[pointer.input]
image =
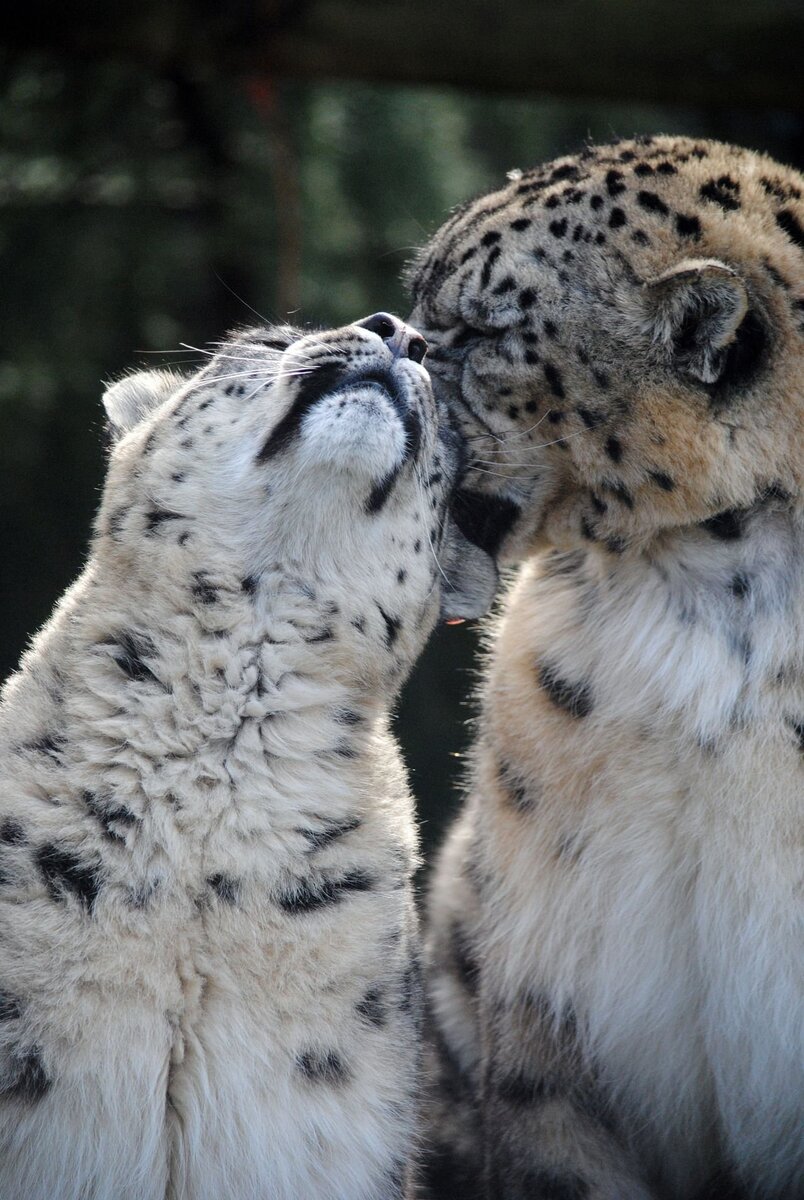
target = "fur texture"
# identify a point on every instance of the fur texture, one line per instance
(615, 935)
(208, 959)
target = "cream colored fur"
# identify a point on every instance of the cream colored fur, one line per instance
(207, 937)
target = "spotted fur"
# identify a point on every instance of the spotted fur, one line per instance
(206, 835)
(615, 936)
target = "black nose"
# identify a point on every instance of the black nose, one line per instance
(403, 341)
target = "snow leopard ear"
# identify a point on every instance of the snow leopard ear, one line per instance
(470, 577)
(695, 312)
(132, 398)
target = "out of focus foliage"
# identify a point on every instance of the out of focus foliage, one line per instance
(140, 212)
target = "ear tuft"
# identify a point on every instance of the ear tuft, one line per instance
(693, 311)
(471, 578)
(131, 399)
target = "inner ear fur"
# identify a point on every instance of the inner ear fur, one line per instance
(132, 398)
(693, 312)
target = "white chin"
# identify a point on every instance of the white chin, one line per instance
(358, 430)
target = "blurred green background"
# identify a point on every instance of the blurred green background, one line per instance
(145, 206)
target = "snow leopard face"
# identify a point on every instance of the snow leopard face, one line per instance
(324, 452)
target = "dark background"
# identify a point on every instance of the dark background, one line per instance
(168, 170)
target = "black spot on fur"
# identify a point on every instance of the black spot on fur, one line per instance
(615, 182)
(156, 517)
(109, 814)
(521, 223)
(323, 1067)
(662, 480)
(64, 872)
(617, 219)
(789, 223)
(310, 895)
(723, 192)
(490, 238)
(573, 698)
(483, 518)
(323, 635)
(10, 1007)
(465, 958)
(312, 387)
(202, 590)
(392, 626)
(12, 833)
(596, 201)
(129, 652)
(590, 418)
(652, 203)
(740, 585)
(601, 379)
(372, 1008)
(26, 1079)
(614, 449)
(485, 274)
(558, 227)
(225, 887)
(49, 744)
(250, 584)
(513, 786)
(621, 492)
(329, 832)
(553, 377)
(725, 526)
(522, 1091)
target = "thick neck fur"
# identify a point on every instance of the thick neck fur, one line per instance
(657, 879)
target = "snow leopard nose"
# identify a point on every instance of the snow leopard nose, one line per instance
(402, 340)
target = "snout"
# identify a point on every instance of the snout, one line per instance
(402, 340)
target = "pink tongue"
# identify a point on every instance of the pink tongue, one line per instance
(456, 621)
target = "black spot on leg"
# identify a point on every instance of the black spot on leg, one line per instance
(308, 895)
(372, 1008)
(64, 872)
(225, 887)
(26, 1079)
(572, 698)
(617, 219)
(323, 1066)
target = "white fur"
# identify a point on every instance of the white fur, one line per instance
(169, 1016)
